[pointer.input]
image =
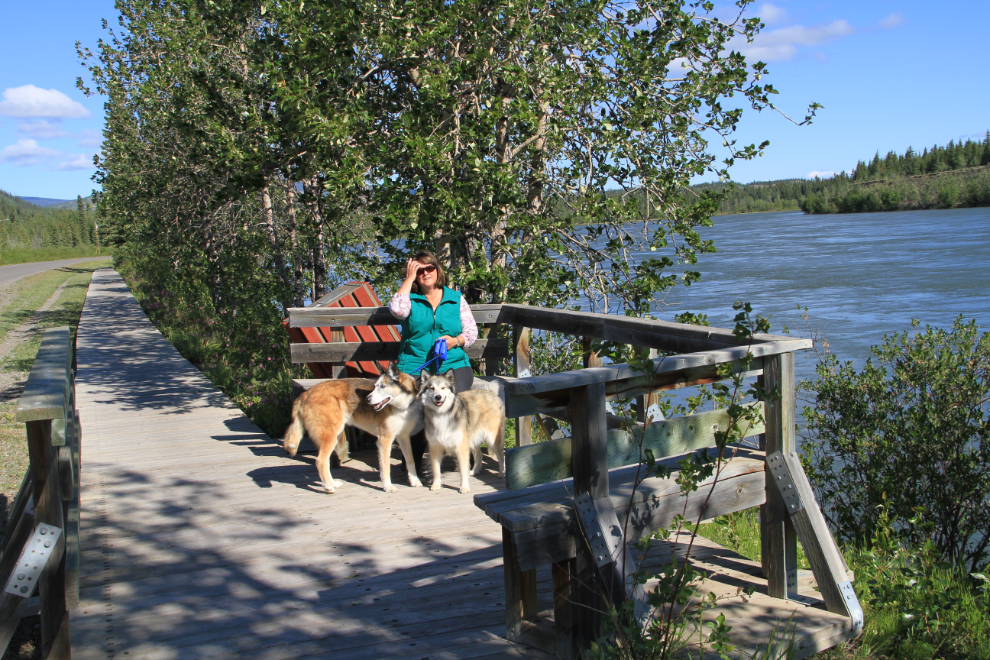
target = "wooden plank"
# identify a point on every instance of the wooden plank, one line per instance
(819, 546)
(44, 391)
(12, 608)
(309, 317)
(590, 468)
(520, 591)
(521, 370)
(551, 461)
(48, 509)
(519, 401)
(629, 330)
(15, 512)
(777, 535)
(383, 350)
(556, 542)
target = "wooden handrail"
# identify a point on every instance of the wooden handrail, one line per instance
(48, 411)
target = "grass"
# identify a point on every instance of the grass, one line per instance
(10, 256)
(948, 612)
(29, 294)
(26, 296)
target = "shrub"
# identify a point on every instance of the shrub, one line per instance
(909, 430)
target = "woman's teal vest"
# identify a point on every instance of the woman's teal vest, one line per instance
(424, 326)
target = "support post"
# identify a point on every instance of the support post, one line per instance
(48, 510)
(589, 462)
(563, 609)
(520, 359)
(520, 591)
(339, 370)
(492, 364)
(777, 534)
(646, 401)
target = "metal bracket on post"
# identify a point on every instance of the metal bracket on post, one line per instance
(32, 561)
(801, 512)
(785, 484)
(615, 559)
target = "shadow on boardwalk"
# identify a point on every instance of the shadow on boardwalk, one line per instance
(201, 538)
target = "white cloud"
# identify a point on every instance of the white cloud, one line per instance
(820, 175)
(769, 13)
(31, 101)
(41, 130)
(892, 21)
(782, 44)
(76, 162)
(90, 138)
(27, 152)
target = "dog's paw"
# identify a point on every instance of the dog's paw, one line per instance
(436, 486)
(465, 489)
(389, 488)
(414, 481)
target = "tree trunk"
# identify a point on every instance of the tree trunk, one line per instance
(285, 284)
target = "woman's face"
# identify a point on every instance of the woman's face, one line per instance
(426, 276)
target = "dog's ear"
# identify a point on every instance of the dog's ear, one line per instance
(393, 370)
(450, 379)
(424, 376)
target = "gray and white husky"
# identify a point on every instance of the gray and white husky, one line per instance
(457, 423)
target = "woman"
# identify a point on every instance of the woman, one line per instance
(429, 311)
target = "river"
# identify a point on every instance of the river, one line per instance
(860, 275)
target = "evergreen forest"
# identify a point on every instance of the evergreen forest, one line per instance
(950, 176)
(33, 233)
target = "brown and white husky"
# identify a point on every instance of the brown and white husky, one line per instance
(457, 423)
(388, 408)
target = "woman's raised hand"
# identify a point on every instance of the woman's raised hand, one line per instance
(412, 267)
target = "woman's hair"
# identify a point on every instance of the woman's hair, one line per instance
(429, 259)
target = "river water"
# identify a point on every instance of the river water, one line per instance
(860, 275)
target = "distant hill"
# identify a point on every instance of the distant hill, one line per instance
(70, 204)
(45, 202)
(15, 208)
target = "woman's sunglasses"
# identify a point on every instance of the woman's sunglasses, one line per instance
(428, 269)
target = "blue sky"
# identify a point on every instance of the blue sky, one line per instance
(890, 75)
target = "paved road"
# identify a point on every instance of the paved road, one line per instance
(10, 274)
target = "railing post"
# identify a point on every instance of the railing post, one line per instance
(777, 534)
(520, 358)
(492, 364)
(48, 510)
(589, 462)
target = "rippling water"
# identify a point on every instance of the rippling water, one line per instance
(860, 275)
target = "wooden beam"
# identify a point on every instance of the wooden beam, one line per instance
(383, 350)
(589, 464)
(521, 370)
(551, 461)
(320, 317)
(777, 535)
(792, 486)
(520, 591)
(44, 392)
(620, 382)
(664, 335)
(48, 509)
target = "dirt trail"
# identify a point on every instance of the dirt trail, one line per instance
(12, 382)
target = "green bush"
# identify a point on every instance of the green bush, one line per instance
(948, 194)
(909, 431)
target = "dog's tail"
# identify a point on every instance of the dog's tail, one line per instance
(294, 433)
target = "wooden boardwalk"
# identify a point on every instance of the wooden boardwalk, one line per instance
(202, 538)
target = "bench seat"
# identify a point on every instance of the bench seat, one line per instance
(543, 527)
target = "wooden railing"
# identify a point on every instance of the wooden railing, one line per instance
(694, 355)
(47, 504)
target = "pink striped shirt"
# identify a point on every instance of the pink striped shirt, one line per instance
(401, 306)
